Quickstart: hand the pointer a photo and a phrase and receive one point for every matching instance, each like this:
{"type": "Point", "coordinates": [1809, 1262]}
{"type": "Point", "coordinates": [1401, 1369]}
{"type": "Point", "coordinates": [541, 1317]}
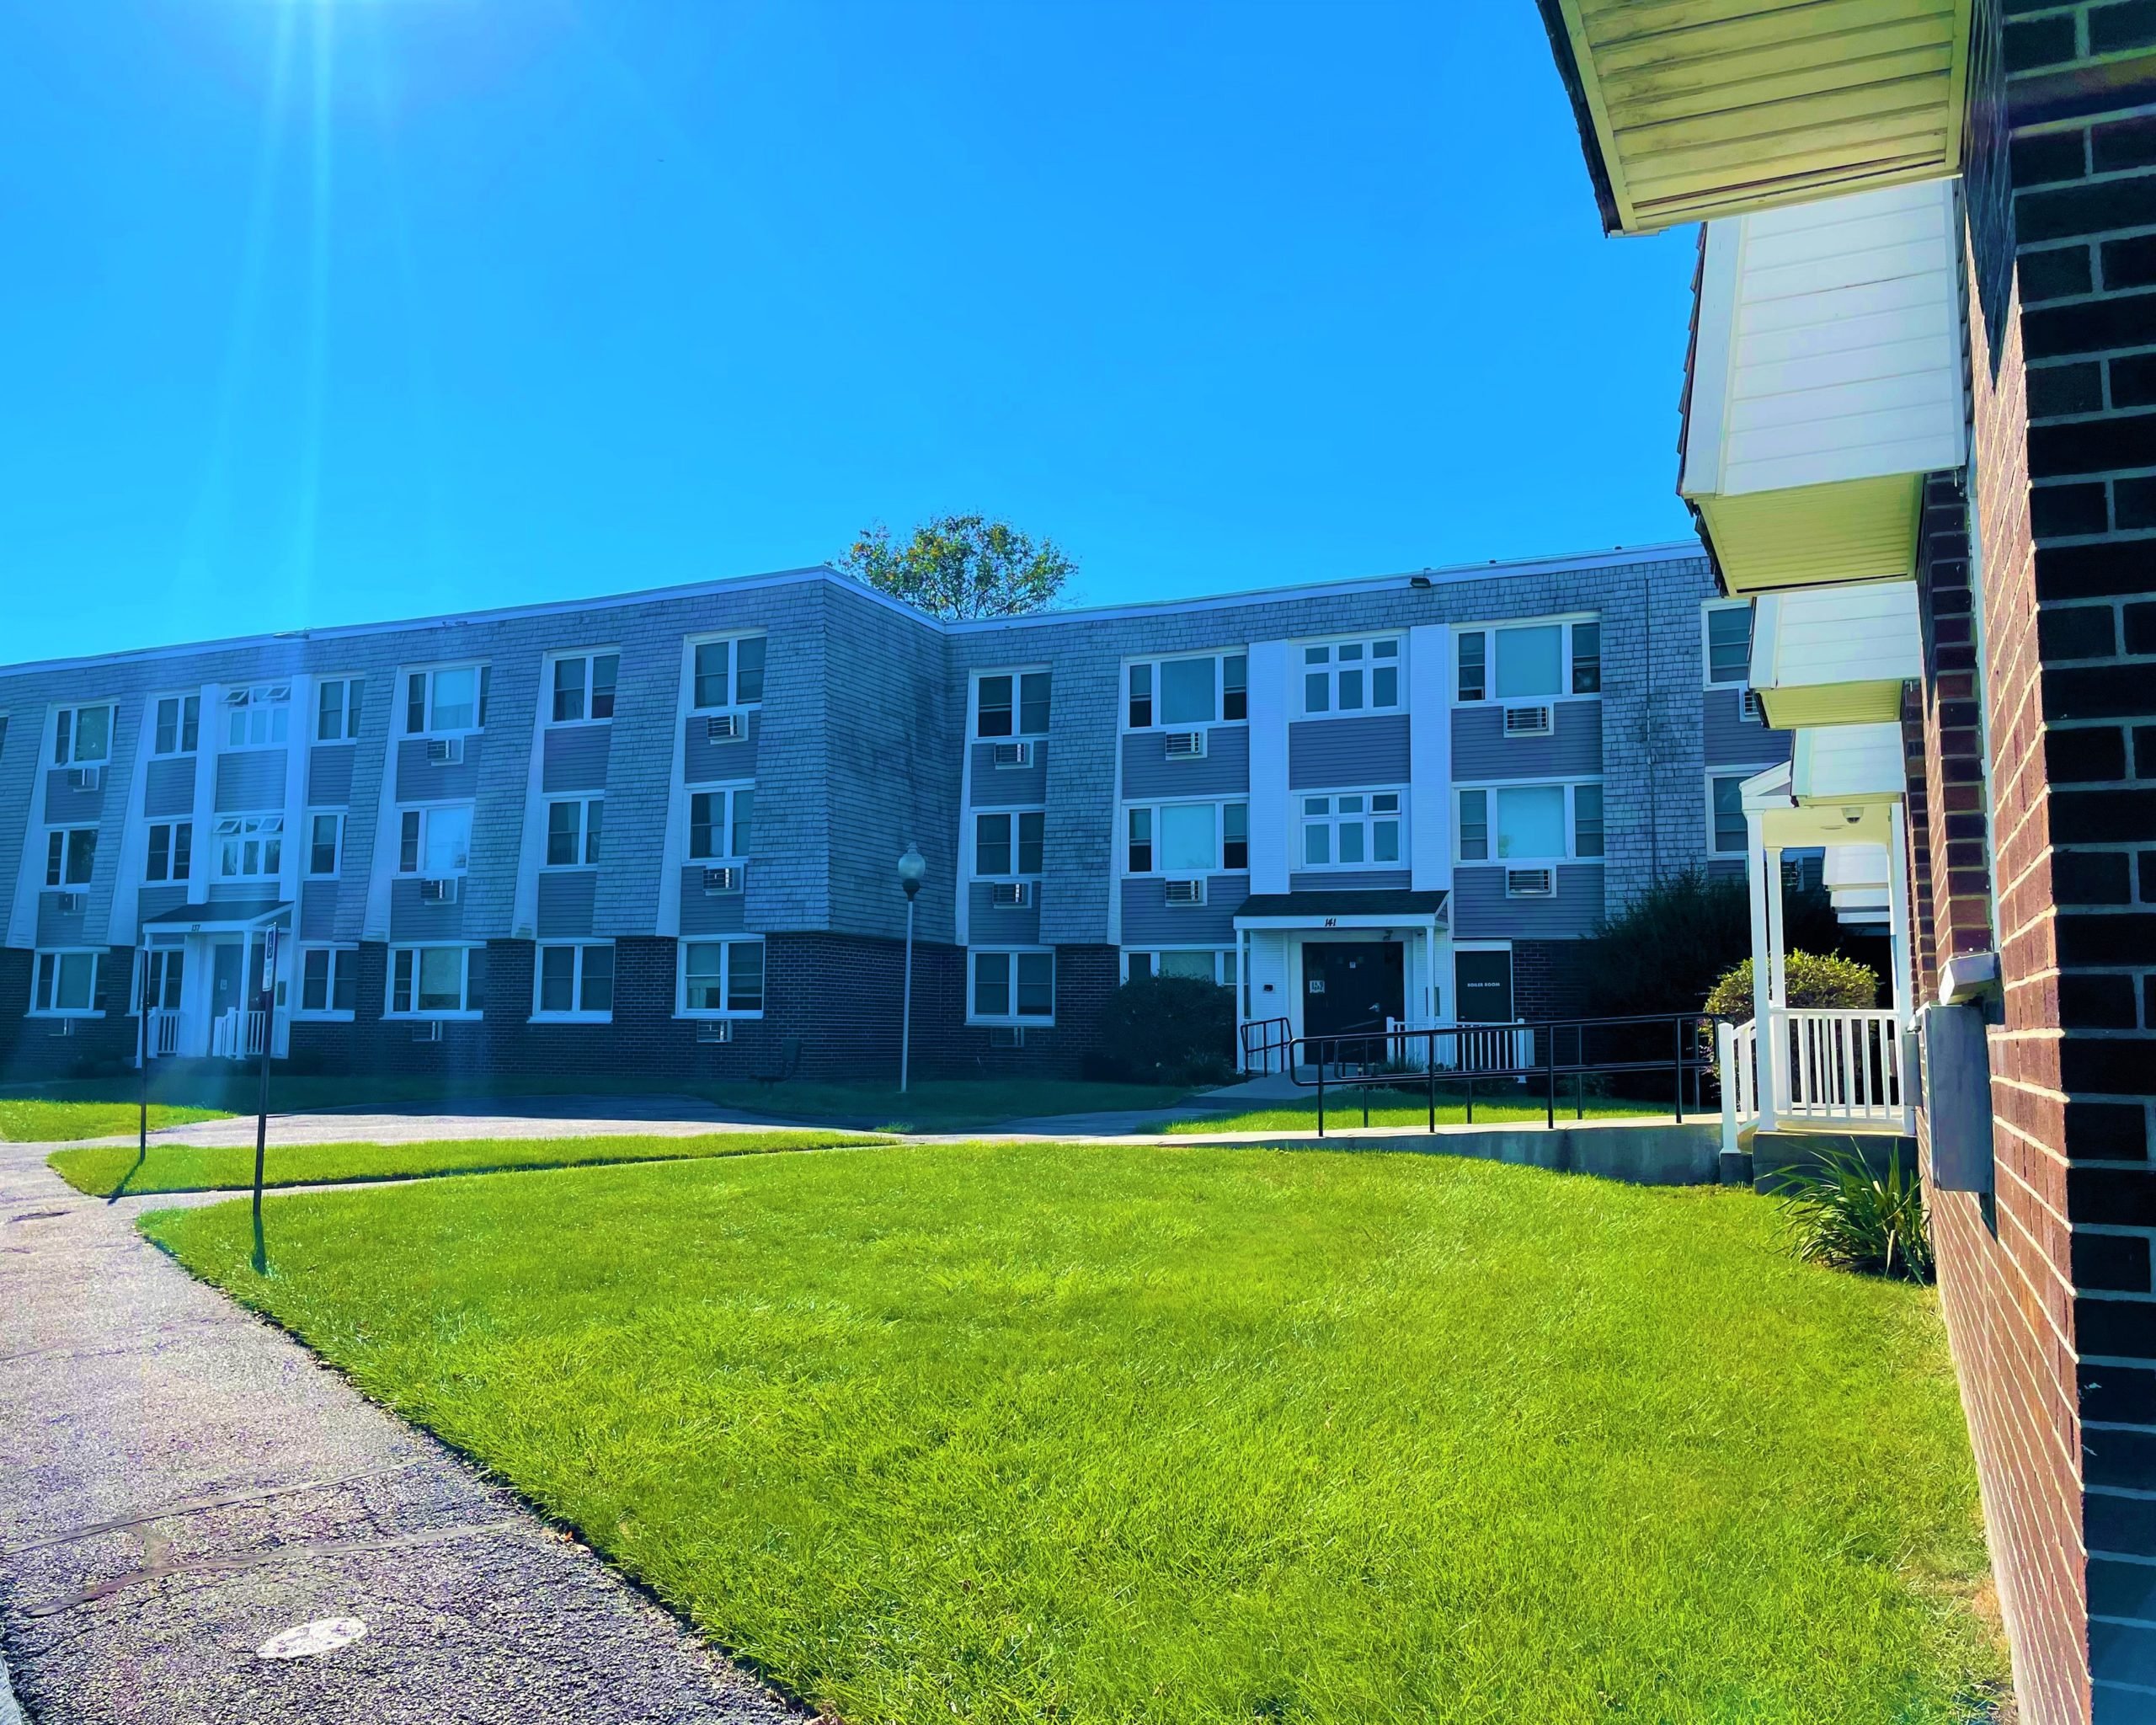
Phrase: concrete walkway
{"type": "Point", "coordinates": [179, 1482]}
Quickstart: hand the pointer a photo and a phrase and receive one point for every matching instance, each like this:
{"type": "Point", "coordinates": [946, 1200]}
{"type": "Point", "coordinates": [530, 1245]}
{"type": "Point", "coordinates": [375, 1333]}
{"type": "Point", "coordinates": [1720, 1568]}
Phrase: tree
{"type": "Point", "coordinates": [1666, 949]}
{"type": "Point", "coordinates": [959, 566]}
{"type": "Point", "coordinates": [1169, 1030]}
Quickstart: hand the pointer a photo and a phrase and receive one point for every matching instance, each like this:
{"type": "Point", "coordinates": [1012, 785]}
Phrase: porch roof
{"type": "Point", "coordinates": [1281, 910]}
{"type": "Point", "coordinates": [219, 917]}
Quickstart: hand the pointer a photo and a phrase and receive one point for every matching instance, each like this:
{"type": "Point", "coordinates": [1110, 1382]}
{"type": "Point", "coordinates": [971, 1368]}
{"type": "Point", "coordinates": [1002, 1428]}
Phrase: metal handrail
{"type": "Point", "coordinates": [1273, 1036]}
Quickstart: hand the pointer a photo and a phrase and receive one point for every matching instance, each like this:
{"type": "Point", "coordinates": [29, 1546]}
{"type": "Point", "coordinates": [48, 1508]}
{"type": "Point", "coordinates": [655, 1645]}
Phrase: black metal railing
{"type": "Point", "coordinates": [1266, 1040]}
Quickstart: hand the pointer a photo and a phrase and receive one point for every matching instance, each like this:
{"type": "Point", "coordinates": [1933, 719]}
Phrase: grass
{"type": "Point", "coordinates": [1123, 1432]}
{"type": "Point", "coordinates": [26, 1119]}
{"type": "Point", "coordinates": [104, 1170]}
{"type": "Point", "coordinates": [1344, 1110]}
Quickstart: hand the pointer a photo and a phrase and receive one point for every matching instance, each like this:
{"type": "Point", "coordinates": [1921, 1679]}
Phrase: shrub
{"type": "Point", "coordinates": [1169, 1030]}
{"type": "Point", "coordinates": [1663, 952]}
{"type": "Point", "coordinates": [1815, 979]}
{"type": "Point", "coordinates": [1841, 1214]}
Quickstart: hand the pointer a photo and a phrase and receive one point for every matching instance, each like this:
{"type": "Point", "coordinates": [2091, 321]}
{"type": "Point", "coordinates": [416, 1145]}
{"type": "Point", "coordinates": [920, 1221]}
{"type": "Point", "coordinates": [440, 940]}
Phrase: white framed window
{"type": "Point", "coordinates": [1728, 835]}
{"type": "Point", "coordinates": [729, 672]}
{"type": "Point", "coordinates": [1010, 703]}
{"type": "Point", "coordinates": [259, 717]}
{"type": "Point", "coordinates": [1540, 661]}
{"type": "Point", "coordinates": [70, 853]}
{"type": "Point", "coordinates": [1351, 676]}
{"type": "Point", "coordinates": [446, 700]}
{"type": "Point", "coordinates": [1176, 693]}
{"type": "Point", "coordinates": [171, 854]}
{"type": "Point", "coordinates": [336, 709]}
{"type": "Point", "coordinates": [1726, 638]}
{"type": "Point", "coordinates": [250, 847]}
{"type": "Point", "coordinates": [1208, 963]}
{"type": "Point", "coordinates": [721, 822]}
{"type": "Point", "coordinates": [1530, 823]}
{"type": "Point", "coordinates": [1010, 985]}
{"type": "Point", "coordinates": [329, 982]}
{"type": "Point", "coordinates": [721, 978]}
{"type": "Point", "coordinates": [1354, 829]}
{"type": "Point", "coordinates": [1007, 843]}
{"type": "Point", "coordinates": [64, 984]}
{"type": "Point", "coordinates": [580, 687]}
{"type": "Point", "coordinates": [176, 725]}
{"type": "Point", "coordinates": [1186, 838]}
{"type": "Point", "coordinates": [435, 841]}
{"type": "Point", "coordinates": [325, 842]}
{"type": "Point", "coordinates": [168, 967]}
{"type": "Point", "coordinates": [82, 736]}
{"type": "Point", "coordinates": [573, 982]}
{"type": "Point", "coordinates": [431, 982]}
{"type": "Point", "coordinates": [573, 827]}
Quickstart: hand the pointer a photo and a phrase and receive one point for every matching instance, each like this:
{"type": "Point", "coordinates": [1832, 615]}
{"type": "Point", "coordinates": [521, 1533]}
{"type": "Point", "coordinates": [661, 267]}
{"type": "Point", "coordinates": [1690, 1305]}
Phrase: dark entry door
{"type": "Point", "coordinates": [1350, 985]}
{"type": "Point", "coordinates": [228, 969]}
{"type": "Point", "coordinates": [1483, 983]}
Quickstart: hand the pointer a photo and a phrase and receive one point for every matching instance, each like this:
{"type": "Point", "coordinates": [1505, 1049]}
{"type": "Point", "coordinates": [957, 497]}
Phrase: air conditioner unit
{"type": "Point", "coordinates": [1753, 708]}
{"type": "Point", "coordinates": [439, 892]}
{"type": "Point", "coordinates": [1186, 892]}
{"type": "Point", "coordinates": [85, 778]}
{"type": "Point", "coordinates": [1527, 722]}
{"type": "Point", "coordinates": [1185, 746]}
{"type": "Point", "coordinates": [1014, 753]}
{"type": "Point", "coordinates": [445, 751]}
{"type": "Point", "coordinates": [1008, 1036]}
{"type": "Point", "coordinates": [1531, 883]}
{"type": "Point", "coordinates": [1009, 894]}
{"type": "Point", "coordinates": [72, 904]}
{"type": "Point", "coordinates": [724, 879]}
{"type": "Point", "coordinates": [725, 728]}
{"type": "Point", "coordinates": [714, 1030]}
{"type": "Point", "coordinates": [427, 1030]}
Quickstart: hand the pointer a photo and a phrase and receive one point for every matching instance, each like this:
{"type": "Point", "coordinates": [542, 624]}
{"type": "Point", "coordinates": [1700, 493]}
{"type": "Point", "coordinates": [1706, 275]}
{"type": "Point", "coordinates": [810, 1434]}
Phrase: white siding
{"type": "Point", "coordinates": [1845, 763]}
{"type": "Point", "coordinates": [1830, 637]}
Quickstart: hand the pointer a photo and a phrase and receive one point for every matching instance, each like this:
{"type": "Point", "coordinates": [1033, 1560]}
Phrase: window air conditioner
{"type": "Point", "coordinates": [1008, 1036]}
{"type": "Point", "coordinates": [1009, 894]}
{"type": "Point", "coordinates": [1014, 753]}
{"type": "Point", "coordinates": [445, 751]}
{"type": "Point", "coordinates": [1186, 892]}
{"type": "Point", "coordinates": [725, 728]}
{"type": "Point", "coordinates": [85, 778]}
{"type": "Point", "coordinates": [723, 879]}
{"type": "Point", "coordinates": [1531, 883]}
{"type": "Point", "coordinates": [1184, 745]}
{"type": "Point", "coordinates": [438, 892]}
{"type": "Point", "coordinates": [714, 1030]}
{"type": "Point", "coordinates": [427, 1030]}
{"type": "Point", "coordinates": [1527, 721]}
{"type": "Point", "coordinates": [1753, 708]}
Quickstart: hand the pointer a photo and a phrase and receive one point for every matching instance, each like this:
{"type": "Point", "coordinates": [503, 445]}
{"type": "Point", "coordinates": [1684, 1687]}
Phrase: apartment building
{"type": "Point", "coordinates": [658, 833]}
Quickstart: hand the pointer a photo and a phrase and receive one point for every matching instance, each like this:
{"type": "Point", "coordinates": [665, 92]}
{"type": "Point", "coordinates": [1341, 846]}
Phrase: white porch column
{"type": "Point", "coordinates": [1897, 911]}
{"type": "Point", "coordinates": [1764, 867]}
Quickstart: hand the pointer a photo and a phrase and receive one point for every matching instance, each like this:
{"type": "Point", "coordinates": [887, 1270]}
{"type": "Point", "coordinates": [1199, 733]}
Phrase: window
{"type": "Point", "coordinates": [1207, 963]}
{"type": "Point", "coordinates": [1729, 643]}
{"type": "Point", "coordinates": [729, 673]}
{"type": "Point", "coordinates": [250, 847]}
{"type": "Point", "coordinates": [329, 981]}
{"type": "Point", "coordinates": [429, 982]}
{"type": "Point", "coordinates": [1187, 839]}
{"type": "Point", "coordinates": [1530, 662]}
{"type": "Point", "coordinates": [1530, 823]}
{"type": "Point", "coordinates": [178, 728]}
{"type": "Point", "coordinates": [65, 984]}
{"type": "Point", "coordinates": [574, 982]}
{"type": "Point", "coordinates": [70, 854]}
{"type": "Point", "coordinates": [584, 686]}
{"type": "Point", "coordinates": [721, 978]}
{"type": "Point", "coordinates": [82, 736]}
{"type": "Point", "coordinates": [1189, 834]}
{"type": "Point", "coordinates": [325, 843]}
{"type": "Point", "coordinates": [336, 710]}
{"type": "Point", "coordinates": [1353, 830]}
{"type": "Point", "coordinates": [1352, 676]}
{"type": "Point", "coordinates": [1008, 843]}
{"type": "Point", "coordinates": [1587, 659]}
{"type": "Point", "coordinates": [1587, 820]}
{"type": "Point", "coordinates": [573, 832]}
{"type": "Point", "coordinates": [448, 701]}
{"type": "Point", "coordinates": [171, 851]}
{"type": "Point", "coordinates": [1728, 834]}
{"type": "Point", "coordinates": [1474, 674]}
{"type": "Point", "coordinates": [1139, 854]}
{"type": "Point", "coordinates": [259, 717]}
{"type": "Point", "coordinates": [720, 823]}
{"type": "Point", "coordinates": [1188, 691]}
{"type": "Point", "coordinates": [995, 716]}
{"type": "Point", "coordinates": [168, 976]}
{"type": "Point", "coordinates": [435, 841]}
{"type": "Point", "coordinates": [1234, 836]}
{"type": "Point", "coordinates": [1013, 987]}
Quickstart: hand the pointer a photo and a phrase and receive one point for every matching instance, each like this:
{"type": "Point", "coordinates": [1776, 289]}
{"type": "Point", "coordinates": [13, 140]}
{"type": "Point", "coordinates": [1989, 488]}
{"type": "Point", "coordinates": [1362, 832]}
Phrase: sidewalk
{"type": "Point", "coordinates": [179, 1482]}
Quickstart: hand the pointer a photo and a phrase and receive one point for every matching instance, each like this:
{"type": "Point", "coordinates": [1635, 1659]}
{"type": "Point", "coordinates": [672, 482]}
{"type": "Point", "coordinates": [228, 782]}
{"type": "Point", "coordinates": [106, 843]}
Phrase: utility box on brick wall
{"type": "Point", "coordinates": [1957, 1096]}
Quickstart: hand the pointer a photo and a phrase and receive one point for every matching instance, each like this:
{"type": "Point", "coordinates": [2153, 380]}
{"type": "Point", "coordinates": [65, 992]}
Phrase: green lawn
{"type": "Point", "coordinates": [1122, 1433]}
{"type": "Point", "coordinates": [26, 1119]}
{"type": "Point", "coordinates": [1344, 1110]}
{"type": "Point", "coordinates": [101, 1170]}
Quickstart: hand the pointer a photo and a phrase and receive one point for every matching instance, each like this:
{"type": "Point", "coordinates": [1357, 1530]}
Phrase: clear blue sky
{"type": "Point", "coordinates": [321, 313]}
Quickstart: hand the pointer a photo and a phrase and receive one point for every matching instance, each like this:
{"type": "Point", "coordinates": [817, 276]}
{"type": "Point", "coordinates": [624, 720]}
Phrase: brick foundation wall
{"type": "Point", "coordinates": [1548, 978]}
{"type": "Point", "coordinates": [32, 1048]}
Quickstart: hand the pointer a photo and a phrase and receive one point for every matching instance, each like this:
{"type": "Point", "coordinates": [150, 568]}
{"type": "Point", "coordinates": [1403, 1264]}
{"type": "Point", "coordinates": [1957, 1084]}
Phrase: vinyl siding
{"type": "Point", "coordinates": [317, 917]}
{"type": "Point", "coordinates": [1347, 751]}
{"type": "Point", "coordinates": [573, 757]}
{"type": "Point", "coordinates": [251, 782]}
{"type": "Point", "coordinates": [1482, 912]}
{"type": "Point", "coordinates": [1728, 739]}
{"type": "Point", "coordinates": [169, 787]}
{"type": "Point", "coordinates": [1349, 880]}
{"type": "Point", "coordinates": [704, 762]}
{"type": "Point", "coordinates": [711, 913]}
{"type": "Point", "coordinates": [329, 773]}
{"type": "Point", "coordinates": [566, 897]}
{"type": "Point", "coordinates": [1223, 770]}
{"type": "Point", "coordinates": [1482, 752]}
{"type": "Point", "coordinates": [412, 920]}
{"type": "Point", "coordinates": [66, 806]}
{"type": "Point", "coordinates": [1149, 920]}
{"type": "Point", "coordinates": [1002, 925]}
{"type": "Point", "coordinates": [419, 780]}
{"type": "Point", "coordinates": [1010, 787]}
{"type": "Point", "coordinates": [156, 899]}
{"type": "Point", "coordinates": [62, 928]}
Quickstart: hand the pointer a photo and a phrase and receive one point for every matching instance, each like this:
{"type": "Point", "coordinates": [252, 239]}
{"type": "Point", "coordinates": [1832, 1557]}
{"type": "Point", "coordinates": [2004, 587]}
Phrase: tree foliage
{"type": "Point", "coordinates": [961, 566]}
{"type": "Point", "coordinates": [1169, 1030]}
{"type": "Point", "coordinates": [1669, 945]}
{"type": "Point", "coordinates": [1823, 979]}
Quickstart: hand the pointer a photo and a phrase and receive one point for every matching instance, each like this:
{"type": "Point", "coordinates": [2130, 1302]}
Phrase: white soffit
{"type": "Point", "coordinates": [1835, 655]}
{"type": "Point", "coordinates": [1849, 763]}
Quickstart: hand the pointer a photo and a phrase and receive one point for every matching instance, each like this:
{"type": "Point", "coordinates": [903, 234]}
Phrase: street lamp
{"type": "Point", "coordinates": [911, 866]}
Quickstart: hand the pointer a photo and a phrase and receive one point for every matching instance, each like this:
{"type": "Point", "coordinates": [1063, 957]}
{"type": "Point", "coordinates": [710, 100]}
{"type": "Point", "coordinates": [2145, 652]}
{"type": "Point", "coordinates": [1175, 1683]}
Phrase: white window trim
{"type": "Point", "coordinates": [97, 957]}
{"type": "Point", "coordinates": [346, 679]}
{"type": "Point", "coordinates": [401, 695]}
{"type": "Point", "coordinates": [1154, 805]}
{"type": "Point", "coordinates": [217, 840]}
{"type": "Point", "coordinates": [583, 799]}
{"type": "Point", "coordinates": [1299, 862]}
{"type": "Point", "coordinates": [1224, 958]}
{"type": "Point", "coordinates": [177, 751]}
{"type": "Point", "coordinates": [425, 811]}
{"type": "Point", "coordinates": [1302, 670]}
{"type": "Point", "coordinates": [1563, 621]}
{"type": "Point", "coordinates": [1714, 853]}
{"type": "Point", "coordinates": [466, 1014]}
{"type": "Point", "coordinates": [63, 884]}
{"type": "Point", "coordinates": [172, 824]}
{"type": "Point", "coordinates": [1030, 1021]}
{"type": "Point", "coordinates": [134, 977]}
{"type": "Point", "coordinates": [733, 671]}
{"type": "Point", "coordinates": [714, 788]}
{"type": "Point", "coordinates": [343, 955]}
{"type": "Point", "coordinates": [228, 709]}
{"type": "Point", "coordinates": [1570, 786]}
{"type": "Point", "coordinates": [575, 1014]}
{"type": "Point", "coordinates": [1041, 667]}
{"type": "Point", "coordinates": [973, 870]}
{"type": "Point", "coordinates": [1218, 655]}
{"type": "Point", "coordinates": [308, 871]}
{"type": "Point", "coordinates": [1707, 608]}
{"type": "Point", "coordinates": [75, 710]}
{"type": "Point", "coordinates": [681, 1008]}
{"type": "Point", "coordinates": [587, 653]}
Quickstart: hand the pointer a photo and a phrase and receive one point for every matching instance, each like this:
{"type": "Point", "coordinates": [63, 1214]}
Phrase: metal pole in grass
{"type": "Point", "coordinates": [911, 866]}
{"type": "Point", "coordinates": [1320, 1094]}
{"type": "Point", "coordinates": [262, 1100]}
{"type": "Point", "coordinates": [142, 1055]}
{"type": "Point", "coordinates": [1430, 1067]}
{"type": "Point", "coordinates": [1677, 1066]}
{"type": "Point", "coordinates": [1550, 1078]}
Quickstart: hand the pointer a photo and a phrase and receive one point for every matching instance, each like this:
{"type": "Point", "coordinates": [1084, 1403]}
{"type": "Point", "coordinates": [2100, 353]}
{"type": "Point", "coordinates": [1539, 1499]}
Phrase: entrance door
{"type": "Point", "coordinates": [1484, 983]}
{"type": "Point", "coordinates": [1351, 985]}
{"type": "Point", "coordinates": [227, 978]}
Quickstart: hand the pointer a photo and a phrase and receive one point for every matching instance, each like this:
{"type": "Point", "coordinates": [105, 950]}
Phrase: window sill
{"type": "Point", "coordinates": [570, 1018]}
{"type": "Point", "coordinates": [739, 1018]}
{"type": "Point", "coordinates": [575, 724]}
{"type": "Point", "coordinates": [253, 748]}
{"type": "Point", "coordinates": [64, 1012]}
{"type": "Point", "coordinates": [1047, 1023]}
{"type": "Point", "coordinates": [462, 1015]}
{"type": "Point", "coordinates": [569, 867]}
{"type": "Point", "coordinates": [1198, 724]}
{"type": "Point", "coordinates": [177, 755]}
{"type": "Point", "coordinates": [299, 1016]}
{"type": "Point", "coordinates": [1022, 737]}
{"type": "Point", "coordinates": [332, 742]}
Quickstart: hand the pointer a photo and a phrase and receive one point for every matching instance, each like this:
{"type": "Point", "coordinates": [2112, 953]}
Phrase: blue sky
{"type": "Point", "coordinates": [321, 313]}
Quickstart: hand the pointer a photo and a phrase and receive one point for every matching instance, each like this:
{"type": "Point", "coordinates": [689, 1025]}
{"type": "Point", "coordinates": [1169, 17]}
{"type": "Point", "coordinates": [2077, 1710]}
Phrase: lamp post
{"type": "Point", "coordinates": [911, 866]}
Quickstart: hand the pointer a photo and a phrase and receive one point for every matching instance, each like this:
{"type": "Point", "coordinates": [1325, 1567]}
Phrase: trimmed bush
{"type": "Point", "coordinates": [1169, 1030]}
{"type": "Point", "coordinates": [1825, 980]}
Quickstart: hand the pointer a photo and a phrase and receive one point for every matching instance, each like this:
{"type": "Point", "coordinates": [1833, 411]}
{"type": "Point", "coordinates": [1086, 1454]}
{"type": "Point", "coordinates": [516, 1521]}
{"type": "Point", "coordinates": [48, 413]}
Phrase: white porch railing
{"type": "Point", "coordinates": [237, 1035]}
{"type": "Point", "coordinates": [164, 1034]}
{"type": "Point", "coordinates": [1839, 1065]}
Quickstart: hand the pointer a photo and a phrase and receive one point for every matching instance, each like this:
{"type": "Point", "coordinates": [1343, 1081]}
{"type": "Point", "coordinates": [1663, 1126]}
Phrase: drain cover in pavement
{"type": "Point", "coordinates": [309, 1641]}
